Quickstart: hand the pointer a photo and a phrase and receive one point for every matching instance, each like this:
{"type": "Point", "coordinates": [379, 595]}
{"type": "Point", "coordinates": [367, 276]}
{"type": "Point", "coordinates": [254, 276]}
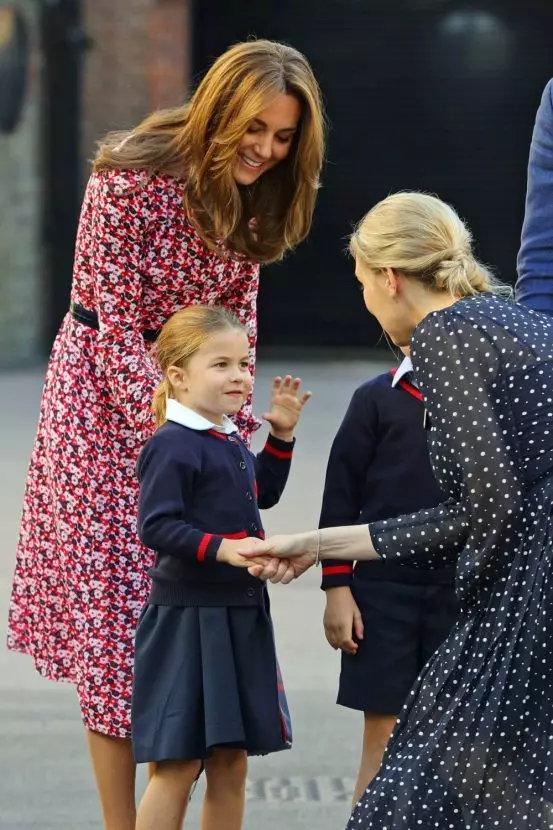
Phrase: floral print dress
{"type": "Point", "coordinates": [81, 573]}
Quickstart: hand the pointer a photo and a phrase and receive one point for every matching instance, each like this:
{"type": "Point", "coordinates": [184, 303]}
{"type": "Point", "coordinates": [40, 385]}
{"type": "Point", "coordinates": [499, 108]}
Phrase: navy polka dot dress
{"type": "Point", "coordinates": [473, 746]}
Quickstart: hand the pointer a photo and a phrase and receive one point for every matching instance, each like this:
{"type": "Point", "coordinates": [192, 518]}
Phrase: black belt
{"type": "Point", "coordinates": [90, 319]}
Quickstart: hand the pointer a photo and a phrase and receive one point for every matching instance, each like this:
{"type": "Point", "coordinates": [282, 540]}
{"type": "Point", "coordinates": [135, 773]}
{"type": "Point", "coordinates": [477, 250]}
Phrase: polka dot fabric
{"type": "Point", "coordinates": [80, 578]}
{"type": "Point", "coordinates": [472, 748]}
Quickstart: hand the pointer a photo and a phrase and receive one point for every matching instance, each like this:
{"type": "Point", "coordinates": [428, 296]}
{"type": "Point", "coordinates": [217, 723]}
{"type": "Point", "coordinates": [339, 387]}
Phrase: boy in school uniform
{"type": "Point", "coordinates": [387, 619]}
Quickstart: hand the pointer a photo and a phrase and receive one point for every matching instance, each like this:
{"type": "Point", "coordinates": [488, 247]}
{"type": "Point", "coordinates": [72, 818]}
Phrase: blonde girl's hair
{"type": "Point", "coordinates": [180, 337]}
{"type": "Point", "coordinates": [423, 238]}
{"type": "Point", "coordinates": [199, 142]}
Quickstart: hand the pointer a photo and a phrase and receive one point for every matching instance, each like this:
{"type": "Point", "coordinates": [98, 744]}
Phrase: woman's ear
{"type": "Point", "coordinates": [391, 281]}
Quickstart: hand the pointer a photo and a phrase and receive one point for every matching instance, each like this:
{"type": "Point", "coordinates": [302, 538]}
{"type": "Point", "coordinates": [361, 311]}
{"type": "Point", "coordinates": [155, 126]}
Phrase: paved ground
{"type": "Point", "coordinates": [45, 780]}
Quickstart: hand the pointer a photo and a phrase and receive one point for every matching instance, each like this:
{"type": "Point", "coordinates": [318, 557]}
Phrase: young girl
{"type": "Point", "coordinates": [379, 467]}
{"type": "Point", "coordinates": [207, 686]}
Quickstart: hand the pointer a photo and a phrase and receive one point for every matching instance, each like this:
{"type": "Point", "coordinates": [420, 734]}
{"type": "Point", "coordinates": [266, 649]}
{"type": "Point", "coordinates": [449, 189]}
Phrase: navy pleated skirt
{"type": "Point", "coordinates": [206, 678]}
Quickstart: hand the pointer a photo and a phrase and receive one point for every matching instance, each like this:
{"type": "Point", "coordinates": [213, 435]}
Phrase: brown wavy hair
{"type": "Point", "coordinates": [199, 141]}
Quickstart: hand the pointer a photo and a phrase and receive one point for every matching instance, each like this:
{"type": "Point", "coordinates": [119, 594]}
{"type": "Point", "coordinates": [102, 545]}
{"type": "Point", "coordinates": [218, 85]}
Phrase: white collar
{"type": "Point", "coordinates": [180, 414]}
{"type": "Point", "coordinates": [403, 369]}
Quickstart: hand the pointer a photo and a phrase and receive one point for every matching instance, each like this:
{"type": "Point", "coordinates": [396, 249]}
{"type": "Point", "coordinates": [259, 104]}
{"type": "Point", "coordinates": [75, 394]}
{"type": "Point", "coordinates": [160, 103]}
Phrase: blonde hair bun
{"type": "Point", "coordinates": [423, 238]}
{"type": "Point", "coordinates": [462, 275]}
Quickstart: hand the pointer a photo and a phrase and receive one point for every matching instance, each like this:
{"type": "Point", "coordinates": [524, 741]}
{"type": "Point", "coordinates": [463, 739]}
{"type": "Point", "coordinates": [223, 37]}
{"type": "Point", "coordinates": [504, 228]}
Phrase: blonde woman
{"type": "Point", "coordinates": [182, 210]}
{"type": "Point", "coordinates": [472, 746]}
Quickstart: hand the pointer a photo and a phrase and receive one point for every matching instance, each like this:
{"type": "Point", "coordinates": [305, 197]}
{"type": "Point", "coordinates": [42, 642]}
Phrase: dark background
{"type": "Point", "coordinates": [433, 95]}
{"type": "Point", "coordinates": [430, 95]}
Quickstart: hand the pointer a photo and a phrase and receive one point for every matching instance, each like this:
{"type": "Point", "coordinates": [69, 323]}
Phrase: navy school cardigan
{"type": "Point", "coordinates": [379, 468]}
{"type": "Point", "coordinates": [198, 487]}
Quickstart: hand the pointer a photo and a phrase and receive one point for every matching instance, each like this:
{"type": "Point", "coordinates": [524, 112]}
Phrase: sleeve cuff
{"type": "Point", "coordinates": [208, 547]}
{"type": "Point", "coordinates": [279, 449]}
{"type": "Point", "coordinates": [336, 575]}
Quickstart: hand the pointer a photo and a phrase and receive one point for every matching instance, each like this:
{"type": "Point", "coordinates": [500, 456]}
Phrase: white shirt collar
{"type": "Point", "coordinates": [180, 414]}
{"type": "Point", "coordinates": [404, 368]}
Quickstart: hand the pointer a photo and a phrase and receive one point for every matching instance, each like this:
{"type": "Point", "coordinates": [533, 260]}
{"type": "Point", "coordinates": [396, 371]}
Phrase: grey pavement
{"type": "Point", "coordinates": [45, 777]}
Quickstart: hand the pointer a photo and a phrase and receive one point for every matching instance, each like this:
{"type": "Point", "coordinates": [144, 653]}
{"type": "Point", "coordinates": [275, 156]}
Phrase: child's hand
{"type": "Point", "coordinates": [228, 551]}
{"type": "Point", "coordinates": [342, 620]}
{"type": "Point", "coordinates": [286, 407]}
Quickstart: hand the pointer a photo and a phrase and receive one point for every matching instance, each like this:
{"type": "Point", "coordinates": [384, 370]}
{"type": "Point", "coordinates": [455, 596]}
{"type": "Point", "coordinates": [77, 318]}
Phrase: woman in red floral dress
{"type": "Point", "coordinates": [180, 211]}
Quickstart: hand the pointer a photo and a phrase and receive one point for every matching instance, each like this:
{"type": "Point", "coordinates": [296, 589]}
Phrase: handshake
{"type": "Point", "coordinates": [277, 559]}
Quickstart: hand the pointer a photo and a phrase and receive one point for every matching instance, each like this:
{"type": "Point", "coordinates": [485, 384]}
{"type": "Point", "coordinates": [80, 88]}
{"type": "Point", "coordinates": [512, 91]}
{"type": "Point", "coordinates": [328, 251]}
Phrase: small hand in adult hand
{"type": "Point", "coordinates": [282, 570]}
{"type": "Point", "coordinates": [278, 559]}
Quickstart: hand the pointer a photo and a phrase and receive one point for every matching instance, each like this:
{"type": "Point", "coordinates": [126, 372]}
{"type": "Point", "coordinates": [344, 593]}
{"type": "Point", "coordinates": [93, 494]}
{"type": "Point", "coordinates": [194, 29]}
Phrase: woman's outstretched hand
{"type": "Point", "coordinates": [280, 558]}
{"type": "Point", "coordinates": [282, 570]}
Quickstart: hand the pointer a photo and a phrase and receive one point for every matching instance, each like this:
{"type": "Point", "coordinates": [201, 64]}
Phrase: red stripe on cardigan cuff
{"type": "Point", "coordinates": [337, 569]}
{"type": "Point", "coordinates": [208, 547]}
{"type": "Point", "coordinates": [284, 455]}
{"type": "Point", "coordinates": [202, 547]}
{"type": "Point", "coordinates": [210, 543]}
{"type": "Point", "coordinates": [242, 534]}
{"type": "Point", "coordinates": [279, 448]}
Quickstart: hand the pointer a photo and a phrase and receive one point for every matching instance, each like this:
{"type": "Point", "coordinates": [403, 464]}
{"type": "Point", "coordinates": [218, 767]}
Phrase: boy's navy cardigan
{"type": "Point", "coordinates": [379, 468]}
{"type": "Point", "coordinates": [198, 487]}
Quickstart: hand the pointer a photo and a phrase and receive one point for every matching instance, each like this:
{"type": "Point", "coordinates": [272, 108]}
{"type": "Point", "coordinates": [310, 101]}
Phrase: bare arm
{"type": "Point", "coordinates": [285, 557]}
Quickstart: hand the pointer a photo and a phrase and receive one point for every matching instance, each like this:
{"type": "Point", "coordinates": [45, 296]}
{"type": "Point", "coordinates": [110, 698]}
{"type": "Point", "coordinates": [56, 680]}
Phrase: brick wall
{"type": "Point", "coordinates": [20, 294]}
{"type": "Point", "coordinates": [138, 62]}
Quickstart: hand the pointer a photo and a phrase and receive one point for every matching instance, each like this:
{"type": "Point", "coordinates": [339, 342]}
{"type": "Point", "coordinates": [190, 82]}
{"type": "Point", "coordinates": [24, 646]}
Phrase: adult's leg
{"type": "Point", "coordinates": [376, 735]}
{"type": "Point", "coordinates": [163, 806]}
{"type": "Point", "coordinates": [225, 795]}
{"type": "Point", "coordinates": [115, 773]}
